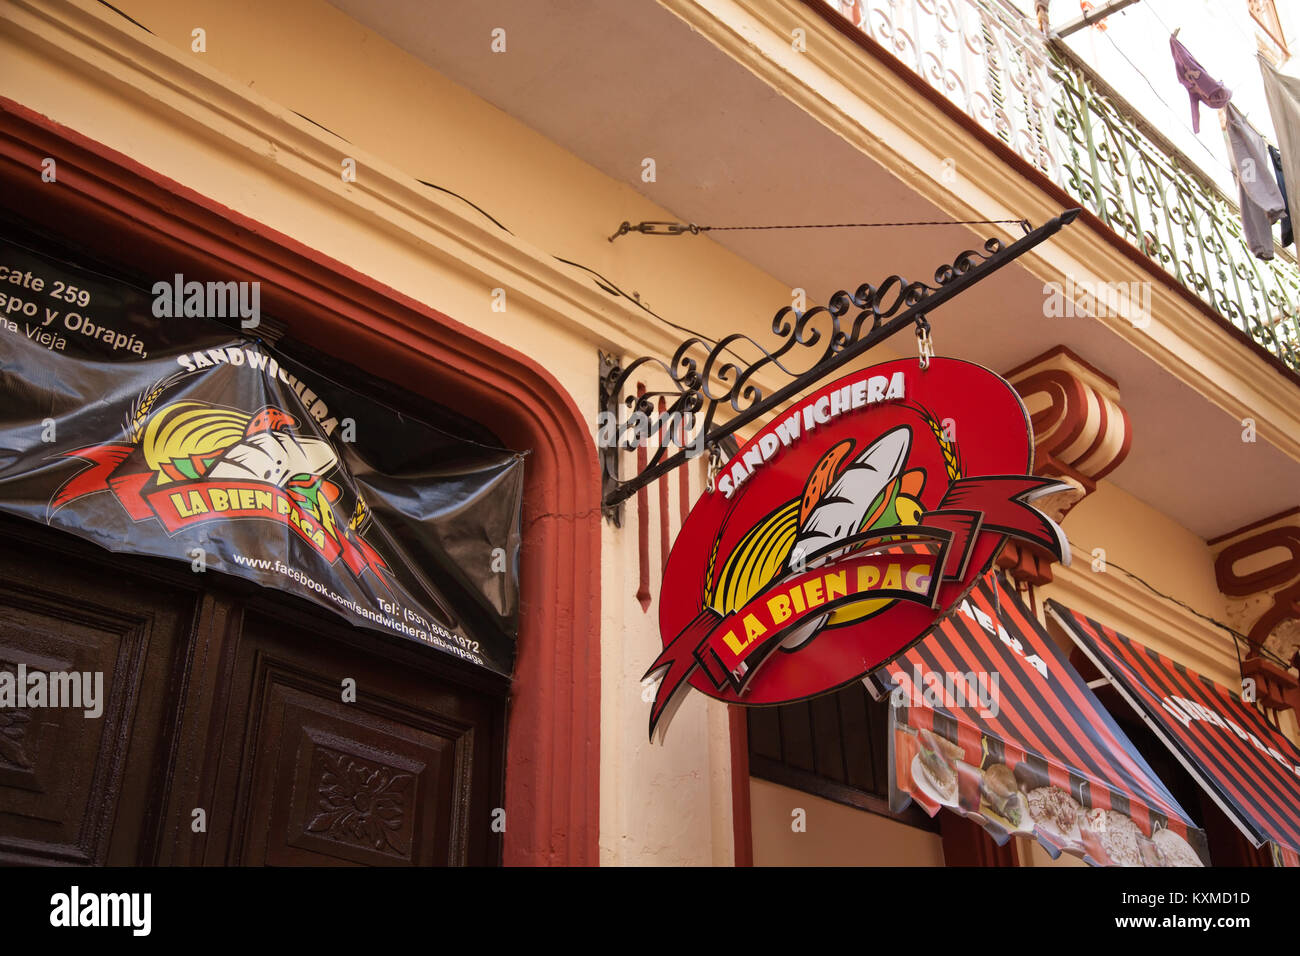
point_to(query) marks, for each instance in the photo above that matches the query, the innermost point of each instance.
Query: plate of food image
(1112, 838)
(1057, 814)
(970, 780)
(1174, 850)
(1151, 853)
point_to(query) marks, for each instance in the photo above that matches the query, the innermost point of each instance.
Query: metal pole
(1088, 19)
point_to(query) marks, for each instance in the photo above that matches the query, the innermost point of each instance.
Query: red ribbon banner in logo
(182, 504)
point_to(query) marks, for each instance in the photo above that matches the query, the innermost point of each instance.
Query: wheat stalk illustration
(713, 560)
(359, 514)
(145, 402)
(951, 454)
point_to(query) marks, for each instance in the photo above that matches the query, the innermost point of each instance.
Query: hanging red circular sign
(842, 532)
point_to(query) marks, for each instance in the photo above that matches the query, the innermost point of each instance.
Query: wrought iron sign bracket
(606, 449)
(705, 374)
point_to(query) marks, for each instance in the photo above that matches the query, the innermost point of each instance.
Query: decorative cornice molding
(1261, 523)
(201, 103)
(1258, 568)
(1081, 435)
(1080, 429)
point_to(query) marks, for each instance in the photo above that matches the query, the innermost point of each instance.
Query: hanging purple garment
(1201, 87)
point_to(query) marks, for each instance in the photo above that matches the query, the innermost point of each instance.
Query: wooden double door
(226, 734)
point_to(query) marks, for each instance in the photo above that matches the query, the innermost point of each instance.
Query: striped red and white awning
(1250, 769)
(1082, 787)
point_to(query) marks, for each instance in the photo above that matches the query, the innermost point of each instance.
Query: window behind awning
(1020, 744)
(1250, 769)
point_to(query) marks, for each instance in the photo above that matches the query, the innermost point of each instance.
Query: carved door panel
(224, 698)
(77, 788)
(333, 755)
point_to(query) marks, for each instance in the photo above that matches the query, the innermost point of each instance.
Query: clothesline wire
(1151, 8)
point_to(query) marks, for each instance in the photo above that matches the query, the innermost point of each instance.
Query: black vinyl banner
(133, 421)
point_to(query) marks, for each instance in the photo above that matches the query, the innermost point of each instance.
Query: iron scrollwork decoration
(708, 377)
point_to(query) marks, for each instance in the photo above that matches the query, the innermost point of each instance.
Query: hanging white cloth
(1283, 95)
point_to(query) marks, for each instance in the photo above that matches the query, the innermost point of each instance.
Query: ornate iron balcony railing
(1049, 107)
(975, 54)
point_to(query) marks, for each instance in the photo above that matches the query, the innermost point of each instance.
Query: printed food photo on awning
(990, 721)
(1250, 769)
(130, 421)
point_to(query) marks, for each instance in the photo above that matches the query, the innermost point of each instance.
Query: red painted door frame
(131, 214)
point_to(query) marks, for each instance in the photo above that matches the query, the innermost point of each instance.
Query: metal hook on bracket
(715, 467)
(924, 343)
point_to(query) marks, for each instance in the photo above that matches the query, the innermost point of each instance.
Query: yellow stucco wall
(833, 834)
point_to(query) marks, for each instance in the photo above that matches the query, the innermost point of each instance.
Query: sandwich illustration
(190, 440)
(270, 451)
(837, 503)
(844, 496)
(1001, 792)
(938, 759)
(192, 462)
